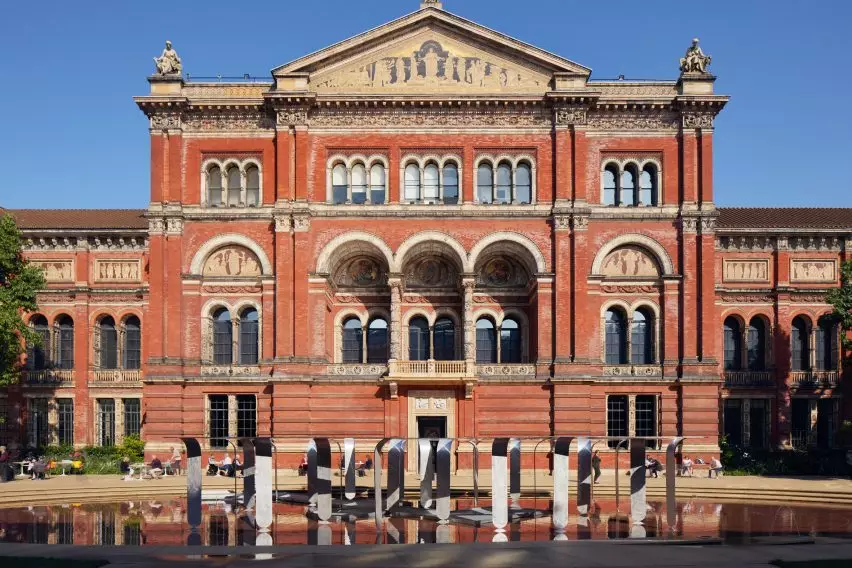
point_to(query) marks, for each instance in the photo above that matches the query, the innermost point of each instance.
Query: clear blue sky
(73, 137)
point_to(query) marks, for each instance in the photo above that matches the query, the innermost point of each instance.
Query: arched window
(214, 186)
(642, 338)
(377, 183)
(800, 344)
(109, 343)
(523, 183)
(732, 344)
(756, 344)
(510, 341)
(132, 349)
(486, 341)
(484, 183)
(628, 186)
(444, 337)
(339, 184)
(451, 184)
(648, 185)
(38, 356)
(234, 186)
(610, 191)
(65, 343)
(359, 184)
(223, 337)
(503, 190)
(252, 186)
(826, 344)
(431, 183)
(377, 341)
(353, 341)
(418, 339)
(412, 182)
(249, 336)
(615, 350)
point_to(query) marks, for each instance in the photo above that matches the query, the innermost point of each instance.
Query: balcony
(431, 370)
(815, 379)
(49, 377)
(122, 377)
(749, 379)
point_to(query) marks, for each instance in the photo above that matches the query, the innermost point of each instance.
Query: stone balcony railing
(749, 378)
(51, 377)
(431, 369)
(815, 379)
(117, 376)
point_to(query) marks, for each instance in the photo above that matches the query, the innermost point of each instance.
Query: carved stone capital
(561, 222)
(283, 224)
(292, 117)
(569, 116)
(156, 226)
(697, 120)
(301, 222)
(174, 226)
(393, 390)
(782, 242)
(580, 222)
(689, 224)
(165, 120)
(847, 244)
(708, 225)
(468, 391)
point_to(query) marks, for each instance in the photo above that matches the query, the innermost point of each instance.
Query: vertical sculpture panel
(248, 472)
(426, 471)
(499, 502)
(396, 473)
(671, 481)
(323, 480)
(561, 479)
(638, 504)
(584, 475)
(445, 448)
(312, 473)
(263, 482)
(349, 467)
(193, 488)
(377, 482)
(515, 471)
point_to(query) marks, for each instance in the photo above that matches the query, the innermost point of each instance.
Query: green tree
(841, 299)
(19, 285)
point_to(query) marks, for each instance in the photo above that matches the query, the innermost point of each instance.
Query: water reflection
(163, 522)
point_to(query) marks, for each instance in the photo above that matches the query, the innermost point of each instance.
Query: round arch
(644, 241)
(425, 237)
(325, 256)
(524, 241)
(210, 247)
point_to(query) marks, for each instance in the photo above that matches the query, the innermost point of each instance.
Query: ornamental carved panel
(745, 271)
(502, 272)
(117, 270)
(56, 270)
(430, 272)
(232, 260)
(811, 271)
(361, 272)
(630, 261)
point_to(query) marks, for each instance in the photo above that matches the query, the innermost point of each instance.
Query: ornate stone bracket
(580, 222)
(561, 222)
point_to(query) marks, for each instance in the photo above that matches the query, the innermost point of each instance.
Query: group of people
(225, 467)
(156, 469)
(361, 467)
(653, 467)
(687, 466)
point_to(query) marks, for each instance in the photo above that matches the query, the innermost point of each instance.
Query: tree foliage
(19, 285)
(841, 299)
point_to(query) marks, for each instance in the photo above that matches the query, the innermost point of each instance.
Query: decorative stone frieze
(506, 370)
(745, 243)
(165, 120)
(739, 298)
(580, 222)
(511, 117)
(156, 226)
(232, 261)
(117, 243)
(59, 270)
(743, 270)
(561, 222)
(358, 370)
(697, 120)
(606, 120)
(628, 289)
(708, 225)
(633, 371)
(569, 116)
(292, 117)
(230, 370)
(689, 224)
(818, 243)
(813, 271)
(117, 270)
(230, 120)
(301, 222)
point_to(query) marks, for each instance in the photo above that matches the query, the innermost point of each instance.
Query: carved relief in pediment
(631, 262)
(360, 272)
(232, 260)
(501, 272)
(430, 272)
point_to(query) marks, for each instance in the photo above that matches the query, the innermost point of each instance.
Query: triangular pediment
(429, 51)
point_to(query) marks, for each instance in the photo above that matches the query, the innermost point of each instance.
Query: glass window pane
(132, 343)
(523, 184)
(616, 418)
(800, 345)
(38, 356)
(733, 344)
(756, 342)
(412, 182)
(249, 336)
(510, 342)
(223, 339)
(503, 190)
(109, 344)
(642, 346)
(132, 416)
(218, 420)
(377, 184)
(252, 187)
(646, 418)
(377, 341)
(234, 186)
(37, 426)
(353, 341)
(628, 187)
(106, 422)
(65, 343)
(359, 184)
(648, 183)
(486, 341)
(246, 416)
(609, 188)
(616, 338)
(339, 184)
(418, 339)
(431, 182)
(484, 185)
(214, 186)
(65, 416)
(451, 184)
(444, 336)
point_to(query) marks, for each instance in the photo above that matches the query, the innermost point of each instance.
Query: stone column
(395, 284)
(232, 415)
(467, 321)
(631, 415)
(814, 415)
(119, 421)
(52, 421)
(746, 422)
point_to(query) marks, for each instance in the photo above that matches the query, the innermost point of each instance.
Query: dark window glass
(106, 528)
(510, 341)
(223, 338)
(484, 183)
(65, 526)
(825, 345)
(733, 344)
(353, 341)
(65, 416)
(132, 416)
(523, 184)
(38, 356)
(377, 184)
(359, 184)
(826, 423)
(610, 191)
(628, 186)
(65, 343)
(217, 530)
(759, 421)
(451, 184)
(642, 338)
(799, 338)
(431, 182)
(5, 428)
(106, 422)
(132, 343)
(646, 418)
(616, 338)
(756, 344)
(444, 335)
(132, 534)
(214, 186)
(648, 185)
(218, 421)
(733, 421)
(109, 343)
(246, 416)
(503, 189)
(252, 187)
(486, 341)
(616, 418)
(801, 422)
(339, 184)
(249, 336)
(234, 186)
(418, 339)
(37, 429)
(377, 341)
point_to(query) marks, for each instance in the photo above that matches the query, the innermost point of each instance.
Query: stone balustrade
(749, 378)
(814, 379)
(49, 377)
(117, 376)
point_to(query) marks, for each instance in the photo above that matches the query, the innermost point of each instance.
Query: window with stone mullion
(616, 418)
(646, 418)
(65, 421)
(218, 420)
(246, 416)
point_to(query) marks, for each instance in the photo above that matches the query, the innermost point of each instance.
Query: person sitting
(367, 465)
(303, 465)
(226, 466)
(686, 467)
(653, 467)
(715, 466)
(156, 467)
(6, 471)
(212, 468)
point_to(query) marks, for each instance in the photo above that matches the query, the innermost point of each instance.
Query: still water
(163, 522)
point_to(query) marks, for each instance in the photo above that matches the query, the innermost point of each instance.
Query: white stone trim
(644, 241)
(209, 247)
(424, 237)
(324, 257)
(524, 241)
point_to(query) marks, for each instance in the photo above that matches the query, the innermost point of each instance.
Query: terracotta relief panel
(361, 272)
(117, 270)
(232, 261)
(56, 270)
(813, 271)
(746, 271)
(632, 262)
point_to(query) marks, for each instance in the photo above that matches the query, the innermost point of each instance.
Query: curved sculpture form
(445, 449)
(263, 481)
(561, 479)
(377, 482)
(584, 475)
(312, 473)
(396, 473)
(638, 503)
(349, 466)
(499, 502)
(248, 472)
(193, 489)
(671, 476)
(323, 478)
(515, 471)
(426, 470)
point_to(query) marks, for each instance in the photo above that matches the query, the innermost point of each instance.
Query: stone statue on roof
(694, 61)
(168, 63)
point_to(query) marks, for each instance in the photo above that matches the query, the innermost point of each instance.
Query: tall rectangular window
(132, 344)
(801, 411)
(132, 534)
(733, 416)
(759, 423)
(132, 416)
(65, 415)
(106, 422)
(105, 529)
(5, 428)
(218, 421)
(826, 423)
(646, 418)
(37, 432)
(246, 416)
(616, 418)
(217, 530)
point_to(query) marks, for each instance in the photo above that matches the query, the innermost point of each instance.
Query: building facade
(433, 229)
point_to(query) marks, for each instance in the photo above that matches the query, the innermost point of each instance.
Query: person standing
(596, 465)
(176, 459)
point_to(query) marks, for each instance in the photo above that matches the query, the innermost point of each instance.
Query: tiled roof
(75, 219)
(784, 218)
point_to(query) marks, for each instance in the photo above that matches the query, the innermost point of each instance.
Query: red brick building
(433, 228)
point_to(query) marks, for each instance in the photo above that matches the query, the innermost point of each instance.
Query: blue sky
(76, 139)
